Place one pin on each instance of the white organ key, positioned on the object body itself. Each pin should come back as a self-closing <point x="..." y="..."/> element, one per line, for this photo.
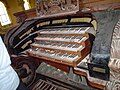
<point x="59" y="56"/>
<point x="78" y="30"/>
<point x="45" y="53"/>
<point x="60" y="46"/>
<point x="76" y="39"/>
<point x="66" y="57"/>
<point x="82" y="39"/>
<point x="73" y="57"/>
<point x="55" y="55"/>
<point x="85" y="29"/>
<point x="74" y="30"/>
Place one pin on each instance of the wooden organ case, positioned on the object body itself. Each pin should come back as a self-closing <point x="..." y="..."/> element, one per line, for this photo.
<point x="62" y="47"/>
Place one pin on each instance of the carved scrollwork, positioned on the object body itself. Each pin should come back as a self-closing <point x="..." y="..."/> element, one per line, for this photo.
<point x="114" y="63"/>
<point x="25" y="69"/>
<point x="113" y="85"/>
<point x="51" y="7"/>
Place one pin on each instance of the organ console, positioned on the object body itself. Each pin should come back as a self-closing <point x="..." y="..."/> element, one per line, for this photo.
<point x="66" y="40"/>
<point x="64" y="45"/>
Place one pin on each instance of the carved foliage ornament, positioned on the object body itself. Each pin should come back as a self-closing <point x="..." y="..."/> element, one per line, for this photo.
<point x="113" y="85"/>
<point x="53" y="7"/>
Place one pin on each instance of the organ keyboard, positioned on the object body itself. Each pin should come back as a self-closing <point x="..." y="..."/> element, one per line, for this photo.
<point x="66" y="45"/>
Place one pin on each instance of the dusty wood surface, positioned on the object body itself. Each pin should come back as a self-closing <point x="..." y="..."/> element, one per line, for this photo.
<point x="102" y="44"/>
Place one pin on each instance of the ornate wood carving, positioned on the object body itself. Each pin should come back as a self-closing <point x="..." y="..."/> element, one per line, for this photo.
<point x="56" y="7"/>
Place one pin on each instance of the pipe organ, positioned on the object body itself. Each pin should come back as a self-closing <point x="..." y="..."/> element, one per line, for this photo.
<point x="68" y="42"/>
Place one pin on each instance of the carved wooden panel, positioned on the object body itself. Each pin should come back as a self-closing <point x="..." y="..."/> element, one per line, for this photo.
<point x="21" y="16"/>
<point x="56" y="7"/>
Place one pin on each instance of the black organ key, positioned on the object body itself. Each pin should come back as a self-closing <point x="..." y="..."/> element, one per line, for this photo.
<point x="73" y="37"/>
<point x="70" y="45"/>
<point x="76" y="46"/>
<point x="72" y="56"/>
<point x="64" y="45"/>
